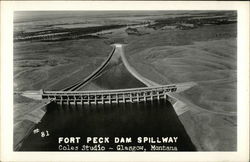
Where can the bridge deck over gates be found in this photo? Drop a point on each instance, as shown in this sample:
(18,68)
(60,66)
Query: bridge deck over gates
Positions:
(109,96)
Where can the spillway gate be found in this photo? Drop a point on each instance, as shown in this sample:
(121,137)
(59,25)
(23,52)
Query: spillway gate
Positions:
(109,96)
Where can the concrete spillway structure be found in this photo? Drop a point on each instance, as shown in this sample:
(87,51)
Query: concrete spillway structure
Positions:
(71,94)
(99,70)
(109,96)
(116,54)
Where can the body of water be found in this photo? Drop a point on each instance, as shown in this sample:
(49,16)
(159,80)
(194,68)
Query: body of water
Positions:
(145,126)
(133,120)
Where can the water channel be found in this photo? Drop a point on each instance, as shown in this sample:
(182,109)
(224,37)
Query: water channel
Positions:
(144,124)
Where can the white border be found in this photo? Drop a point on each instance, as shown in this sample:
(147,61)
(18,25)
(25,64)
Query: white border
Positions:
(7,8)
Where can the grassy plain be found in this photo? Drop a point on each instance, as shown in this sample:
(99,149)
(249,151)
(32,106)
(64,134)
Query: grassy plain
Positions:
(205,55)
(216,78)
(49,66)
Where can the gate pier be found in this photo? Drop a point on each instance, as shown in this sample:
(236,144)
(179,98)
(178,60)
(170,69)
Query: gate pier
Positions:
(109,96)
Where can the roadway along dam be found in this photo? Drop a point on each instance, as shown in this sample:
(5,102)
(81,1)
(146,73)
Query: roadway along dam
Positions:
(146,126)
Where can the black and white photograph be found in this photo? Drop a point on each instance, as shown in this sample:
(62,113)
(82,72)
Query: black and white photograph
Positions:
(125,80)
(118,81)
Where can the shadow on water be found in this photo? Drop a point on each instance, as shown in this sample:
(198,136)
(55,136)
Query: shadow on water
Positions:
(145,119)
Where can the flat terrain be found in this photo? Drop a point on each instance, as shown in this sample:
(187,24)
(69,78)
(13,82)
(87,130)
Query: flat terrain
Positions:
(164,47)
(213,68)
